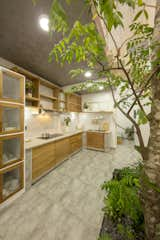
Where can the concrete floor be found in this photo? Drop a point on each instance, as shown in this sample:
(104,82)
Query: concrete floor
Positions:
(66,204)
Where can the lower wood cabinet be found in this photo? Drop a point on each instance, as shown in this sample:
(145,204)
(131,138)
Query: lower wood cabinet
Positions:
(11,181)
(62,149)
(43,159)
(75,143)
(95,140)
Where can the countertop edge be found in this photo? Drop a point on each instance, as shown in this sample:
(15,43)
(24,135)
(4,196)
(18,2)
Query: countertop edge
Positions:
(44,142)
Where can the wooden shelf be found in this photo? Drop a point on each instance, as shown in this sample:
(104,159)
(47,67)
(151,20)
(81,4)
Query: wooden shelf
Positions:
(51,109)
(98,112)
(48,97)
(59,100)
(32,99)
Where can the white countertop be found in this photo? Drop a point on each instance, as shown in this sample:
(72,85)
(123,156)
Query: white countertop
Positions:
(36,142)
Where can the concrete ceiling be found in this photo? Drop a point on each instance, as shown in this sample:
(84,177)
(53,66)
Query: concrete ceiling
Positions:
(24,43)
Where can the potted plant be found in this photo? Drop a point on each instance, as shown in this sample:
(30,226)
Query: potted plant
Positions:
(85,107)
(29,88)
(67,121)
(130,133)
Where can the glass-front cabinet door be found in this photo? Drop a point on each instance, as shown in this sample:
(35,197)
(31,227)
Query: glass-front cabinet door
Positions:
(11,181)
(11,149)
(11,86)
(11,118)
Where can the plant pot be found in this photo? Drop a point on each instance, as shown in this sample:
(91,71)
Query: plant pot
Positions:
(29,94)
(67,129)
(119,140)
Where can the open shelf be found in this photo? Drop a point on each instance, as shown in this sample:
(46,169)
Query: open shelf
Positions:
(32,99)
(48,97)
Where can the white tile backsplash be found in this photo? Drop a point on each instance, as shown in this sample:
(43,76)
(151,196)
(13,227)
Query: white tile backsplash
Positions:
(48,122)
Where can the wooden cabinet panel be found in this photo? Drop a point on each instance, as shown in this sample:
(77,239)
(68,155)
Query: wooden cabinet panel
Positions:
(95,140)
(43,159)
(75,143)
(11,149)
(74,103)
(11,86)
(11,181)
(62,149)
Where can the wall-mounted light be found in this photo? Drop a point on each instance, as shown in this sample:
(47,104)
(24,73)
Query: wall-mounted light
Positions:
(41,110)
(88,74)
(44,22)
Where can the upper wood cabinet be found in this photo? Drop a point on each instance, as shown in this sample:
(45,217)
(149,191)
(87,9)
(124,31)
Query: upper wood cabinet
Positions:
(11,118)
(11,86)
(74,103)
(95,140)
(43,159)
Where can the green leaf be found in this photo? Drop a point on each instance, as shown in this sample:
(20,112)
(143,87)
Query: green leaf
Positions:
(138,15)
(146,13)
(140,3)
(76,72)
(142,119)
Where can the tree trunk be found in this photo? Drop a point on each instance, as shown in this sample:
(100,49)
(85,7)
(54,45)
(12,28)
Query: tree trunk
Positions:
(152,163)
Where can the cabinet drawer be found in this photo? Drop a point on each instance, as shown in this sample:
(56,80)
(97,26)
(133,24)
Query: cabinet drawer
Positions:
(43,159)
(95,140)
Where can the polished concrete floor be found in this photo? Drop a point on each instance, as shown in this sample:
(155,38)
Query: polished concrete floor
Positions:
(66,204)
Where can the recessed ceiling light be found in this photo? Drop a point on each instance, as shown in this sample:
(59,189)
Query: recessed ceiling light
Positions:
(101,87)
(44,22)
(88,74)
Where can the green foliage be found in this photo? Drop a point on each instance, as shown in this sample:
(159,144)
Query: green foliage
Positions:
(67,121)
(122,197)
(105,237)
(126,232)
(130,133)
(142,119)
(76,72)
(29,85)
(58,18)
(83,43)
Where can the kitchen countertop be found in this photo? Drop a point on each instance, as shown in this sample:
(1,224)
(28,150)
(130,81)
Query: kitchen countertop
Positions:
(98,131)
(36,142)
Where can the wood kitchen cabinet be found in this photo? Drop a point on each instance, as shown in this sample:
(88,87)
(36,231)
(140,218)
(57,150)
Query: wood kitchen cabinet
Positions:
(11,118)
(75,143)
(74,103)
(62,149)
(11,86)
(43,159)
(11,133)
(11,149)
(95,140)
(47,156)
(11,181)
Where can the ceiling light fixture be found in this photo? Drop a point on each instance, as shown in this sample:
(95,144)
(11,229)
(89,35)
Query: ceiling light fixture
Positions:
(88,74)
(44,22)
(101,87)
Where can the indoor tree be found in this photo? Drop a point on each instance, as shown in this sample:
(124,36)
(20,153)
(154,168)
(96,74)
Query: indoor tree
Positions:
(134,70)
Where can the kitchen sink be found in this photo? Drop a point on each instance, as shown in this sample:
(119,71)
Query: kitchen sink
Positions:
(46,136)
